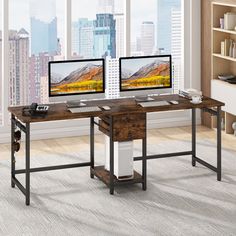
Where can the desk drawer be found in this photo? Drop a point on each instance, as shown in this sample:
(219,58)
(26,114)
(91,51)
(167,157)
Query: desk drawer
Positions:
(125,127)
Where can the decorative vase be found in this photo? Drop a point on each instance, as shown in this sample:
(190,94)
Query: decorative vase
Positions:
(222,23)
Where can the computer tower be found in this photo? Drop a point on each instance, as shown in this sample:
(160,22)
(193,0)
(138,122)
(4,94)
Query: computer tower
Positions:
(123,158)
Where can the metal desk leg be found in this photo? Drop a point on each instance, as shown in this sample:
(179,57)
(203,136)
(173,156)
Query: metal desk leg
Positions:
(219,143)
(144,164)
(91,146)
(144,160)
(193,136)
(111,157)
(13,168)
(27,164)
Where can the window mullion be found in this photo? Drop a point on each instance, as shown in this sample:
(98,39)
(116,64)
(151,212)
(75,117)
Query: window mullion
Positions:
(68,25)
(5,63)
(127,27)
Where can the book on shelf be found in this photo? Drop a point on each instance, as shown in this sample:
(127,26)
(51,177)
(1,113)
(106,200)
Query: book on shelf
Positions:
(227,47)
(222,50)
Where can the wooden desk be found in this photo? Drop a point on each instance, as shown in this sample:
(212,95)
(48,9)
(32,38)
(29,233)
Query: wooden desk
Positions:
(119,107)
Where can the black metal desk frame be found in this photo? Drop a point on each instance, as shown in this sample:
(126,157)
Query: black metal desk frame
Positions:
(196,159)
(111,148)
(26,129)
(15,123)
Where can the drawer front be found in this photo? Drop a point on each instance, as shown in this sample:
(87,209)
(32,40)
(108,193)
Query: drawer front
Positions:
(125,127)
(129,119)
(129,133)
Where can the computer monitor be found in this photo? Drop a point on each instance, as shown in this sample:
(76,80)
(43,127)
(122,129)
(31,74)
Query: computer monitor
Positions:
(75,80)
(145,75)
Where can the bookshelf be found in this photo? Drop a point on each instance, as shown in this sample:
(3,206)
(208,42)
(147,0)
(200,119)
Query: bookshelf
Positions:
(222,64)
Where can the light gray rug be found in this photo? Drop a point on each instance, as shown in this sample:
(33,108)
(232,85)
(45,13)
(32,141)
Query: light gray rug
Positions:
(180,199)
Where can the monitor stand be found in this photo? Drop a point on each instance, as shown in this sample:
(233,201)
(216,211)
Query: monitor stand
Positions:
(143,98)
(72,104)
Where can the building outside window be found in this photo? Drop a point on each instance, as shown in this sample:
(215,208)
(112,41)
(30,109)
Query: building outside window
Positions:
(156,28)
(36,31)
(99,31)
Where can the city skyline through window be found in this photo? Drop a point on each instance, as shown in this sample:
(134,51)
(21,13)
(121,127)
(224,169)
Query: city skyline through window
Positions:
(34,40)
(157,29)
(37,28)
(140,13)
(100,31)
(22,10)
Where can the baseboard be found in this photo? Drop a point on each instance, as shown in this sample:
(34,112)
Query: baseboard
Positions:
(82,128)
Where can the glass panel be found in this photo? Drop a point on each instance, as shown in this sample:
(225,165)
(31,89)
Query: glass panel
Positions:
(156,29)
(97,28)
(1,63)
(35,37)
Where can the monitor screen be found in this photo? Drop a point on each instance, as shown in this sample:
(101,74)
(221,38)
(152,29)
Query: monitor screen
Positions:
(147,72)
(76,77)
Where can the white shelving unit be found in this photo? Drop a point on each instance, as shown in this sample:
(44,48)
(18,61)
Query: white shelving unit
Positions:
(221,90)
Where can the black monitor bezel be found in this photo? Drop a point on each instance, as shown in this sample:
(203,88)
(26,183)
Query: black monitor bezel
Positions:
(77,60)
(143,57)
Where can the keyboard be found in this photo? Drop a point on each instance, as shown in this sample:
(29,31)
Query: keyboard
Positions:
(84,109)
(154,103)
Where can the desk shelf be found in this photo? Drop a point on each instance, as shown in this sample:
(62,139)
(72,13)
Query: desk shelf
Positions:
(101,173)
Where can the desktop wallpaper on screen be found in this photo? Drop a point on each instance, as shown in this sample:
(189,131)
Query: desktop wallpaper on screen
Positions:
(145,73)
(76,77)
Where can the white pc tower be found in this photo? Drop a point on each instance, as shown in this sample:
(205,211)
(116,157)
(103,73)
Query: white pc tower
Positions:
(123,158)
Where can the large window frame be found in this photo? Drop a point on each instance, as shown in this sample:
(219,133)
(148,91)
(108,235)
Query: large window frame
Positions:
(191,62)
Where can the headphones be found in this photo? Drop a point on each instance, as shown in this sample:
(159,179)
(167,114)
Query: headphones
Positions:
(16,143)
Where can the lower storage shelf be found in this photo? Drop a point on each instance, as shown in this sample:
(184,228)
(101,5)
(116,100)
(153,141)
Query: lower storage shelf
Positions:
(101,173)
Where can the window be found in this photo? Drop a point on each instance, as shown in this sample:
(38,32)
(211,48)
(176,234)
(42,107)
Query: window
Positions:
(156,28)
(97,31)
(143,27)
(36,30)
(1,112)
(34,25)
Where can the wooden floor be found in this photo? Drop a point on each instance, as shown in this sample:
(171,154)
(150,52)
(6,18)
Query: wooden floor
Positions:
(179,200)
